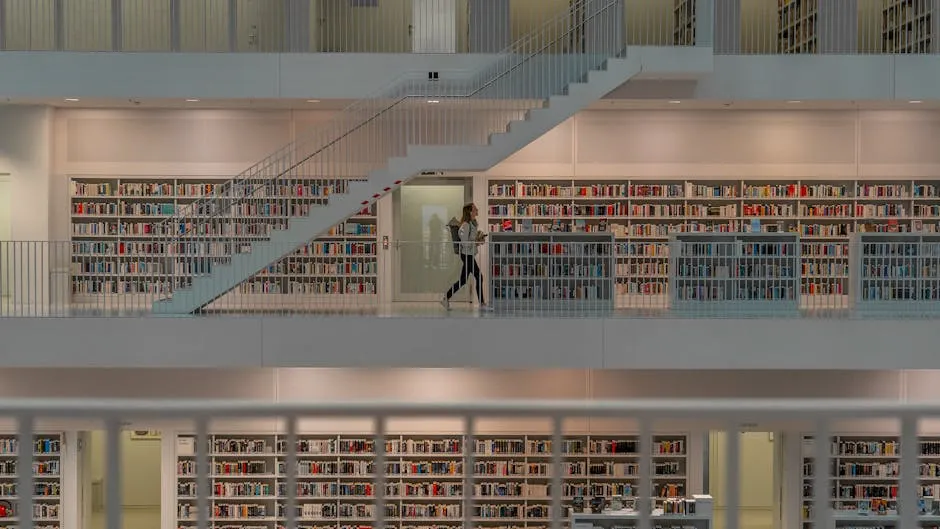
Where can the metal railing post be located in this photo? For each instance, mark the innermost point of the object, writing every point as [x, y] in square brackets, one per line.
[176, 25]
[117, 25]
[233, 25]
[3, 25]
[113, 496]
[58, 19]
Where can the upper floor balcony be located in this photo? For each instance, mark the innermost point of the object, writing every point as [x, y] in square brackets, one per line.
[459, 26]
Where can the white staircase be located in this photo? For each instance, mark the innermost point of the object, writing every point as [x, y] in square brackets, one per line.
[381, 143]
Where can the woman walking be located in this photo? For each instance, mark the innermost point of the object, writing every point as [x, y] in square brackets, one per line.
[469, 239]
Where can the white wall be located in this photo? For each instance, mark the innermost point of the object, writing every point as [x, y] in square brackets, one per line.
[25, 153]
[647, 144]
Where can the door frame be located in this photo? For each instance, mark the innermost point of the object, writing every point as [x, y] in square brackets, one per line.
[396, 268]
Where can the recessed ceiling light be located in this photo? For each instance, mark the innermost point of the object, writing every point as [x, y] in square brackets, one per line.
[71, 99]
[313, 100]
[915, 102]
[192, 100]
[674, 102]
[433, 101]
[794, 102]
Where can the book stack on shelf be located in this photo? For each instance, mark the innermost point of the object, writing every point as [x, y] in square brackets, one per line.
[865, 480]
[797, 31]
[119, 235]
[735, 271]
[424, 479]
[546, 271]
[908, 26]
[895, 271]
[684, 15]
[47, 481]
[642, 214]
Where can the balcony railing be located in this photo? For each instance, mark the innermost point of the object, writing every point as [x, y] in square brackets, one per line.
[306, 26]
[279, 437]
[762, 27]
[694, 275]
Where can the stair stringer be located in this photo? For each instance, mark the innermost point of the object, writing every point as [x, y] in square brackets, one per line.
[538, 121]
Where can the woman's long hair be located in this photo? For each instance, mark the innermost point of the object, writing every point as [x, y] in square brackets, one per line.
[467, 215]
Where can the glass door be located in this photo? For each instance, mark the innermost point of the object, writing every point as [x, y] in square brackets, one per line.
[425, 260]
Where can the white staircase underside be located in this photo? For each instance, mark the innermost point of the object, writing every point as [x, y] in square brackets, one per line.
[538, 121]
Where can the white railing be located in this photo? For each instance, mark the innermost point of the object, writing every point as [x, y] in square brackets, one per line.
[309, 26]
[635, 419]
[770, 27]
[884, 275]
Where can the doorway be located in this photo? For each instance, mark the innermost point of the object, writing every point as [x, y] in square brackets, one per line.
[760, 480]
[424, 257]
[140, 479]
[260, 25]
[6, 234]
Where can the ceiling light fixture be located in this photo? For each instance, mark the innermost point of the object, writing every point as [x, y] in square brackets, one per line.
[71, 99]
[674, 102]
[192, 100]
[313, 100]
[433, 101]
[794, 102]
[915, 102]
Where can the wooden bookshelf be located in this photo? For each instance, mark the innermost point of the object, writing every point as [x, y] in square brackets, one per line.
[797, 26]
[47, 480]
[684, 17]
[643, 214]
[908, 26]
[424, 478]
[117, 229]
[551, 271]
[865, 476]
[742, 271]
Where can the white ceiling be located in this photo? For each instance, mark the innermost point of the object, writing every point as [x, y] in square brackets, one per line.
[604, 104]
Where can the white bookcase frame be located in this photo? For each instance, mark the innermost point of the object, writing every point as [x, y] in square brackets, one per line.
[49, 509]
[896, 271]
[551, 271]
[497, 451]
[342, 263]
[739, 271]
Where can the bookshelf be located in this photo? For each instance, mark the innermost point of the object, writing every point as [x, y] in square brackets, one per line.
[424, 478]
[896, 270]
[797, 30]
[47, 481]
[684, 16]
[117, 235]
[908, 26]
[643, 213]
[735, 271]
[865, 479]
[547, 271]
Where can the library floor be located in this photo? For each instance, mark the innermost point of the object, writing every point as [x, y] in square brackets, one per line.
[134, 518]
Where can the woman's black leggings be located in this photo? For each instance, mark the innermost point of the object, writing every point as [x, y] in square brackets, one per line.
[468, 268]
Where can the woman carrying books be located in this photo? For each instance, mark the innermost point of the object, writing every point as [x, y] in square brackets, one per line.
[469, 238]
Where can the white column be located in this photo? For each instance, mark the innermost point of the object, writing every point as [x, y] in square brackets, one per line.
[26, 155]
[435, 26]
[726, 25]
[72, 474]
